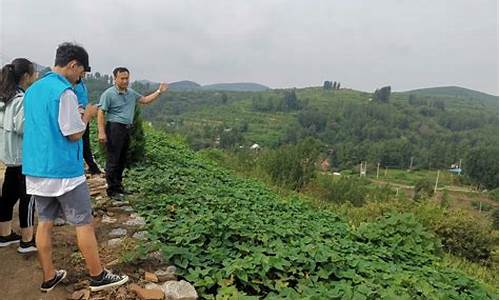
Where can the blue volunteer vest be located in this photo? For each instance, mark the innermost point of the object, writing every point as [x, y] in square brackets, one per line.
[46, 152]
[82, 94]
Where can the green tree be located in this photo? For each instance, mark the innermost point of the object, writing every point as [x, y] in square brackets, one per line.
[313, 120]
[293, 165]
[290, 101]
[382, 94]
[224, 98]
[481, 165]
[230, 137]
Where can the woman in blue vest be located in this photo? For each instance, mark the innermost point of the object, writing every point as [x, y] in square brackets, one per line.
[15, 78]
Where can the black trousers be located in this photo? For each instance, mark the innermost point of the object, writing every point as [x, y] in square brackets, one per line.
[118, 138]
[13, 189]
[87, 152]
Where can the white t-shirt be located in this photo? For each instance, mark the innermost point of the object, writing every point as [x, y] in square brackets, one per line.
[70, 122]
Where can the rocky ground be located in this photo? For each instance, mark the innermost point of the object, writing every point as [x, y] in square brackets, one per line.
[118, 230]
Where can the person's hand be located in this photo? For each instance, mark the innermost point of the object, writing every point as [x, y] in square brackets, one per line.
[163, 87]
[90, 111]
[102, 137]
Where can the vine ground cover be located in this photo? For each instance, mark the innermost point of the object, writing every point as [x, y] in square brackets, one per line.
[234, 238]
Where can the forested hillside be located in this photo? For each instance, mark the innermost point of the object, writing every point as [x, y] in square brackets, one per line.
[428, 128]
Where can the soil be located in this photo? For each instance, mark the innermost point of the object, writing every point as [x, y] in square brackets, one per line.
[21, 275]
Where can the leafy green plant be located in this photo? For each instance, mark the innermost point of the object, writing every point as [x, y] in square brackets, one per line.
[233, 238]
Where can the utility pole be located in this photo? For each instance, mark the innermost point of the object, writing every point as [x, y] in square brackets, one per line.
[411, 162]
[436, 186]
[378, 167]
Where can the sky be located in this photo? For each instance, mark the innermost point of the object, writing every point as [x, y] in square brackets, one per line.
[363, 44]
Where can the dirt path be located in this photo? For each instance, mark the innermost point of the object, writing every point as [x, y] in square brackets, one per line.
[21, 276]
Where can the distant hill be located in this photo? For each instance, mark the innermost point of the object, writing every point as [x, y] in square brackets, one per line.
[456, 92]
[438, 129]
[184, 85]
[187, 85]
[147, 82]
[236, 87]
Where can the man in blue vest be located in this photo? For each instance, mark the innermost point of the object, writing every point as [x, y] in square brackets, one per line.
[53, 164]
[114, 121]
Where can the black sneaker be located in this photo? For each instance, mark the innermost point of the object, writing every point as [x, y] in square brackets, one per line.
[27, 247]
[12, 238]
[51, 284]
[106, 280]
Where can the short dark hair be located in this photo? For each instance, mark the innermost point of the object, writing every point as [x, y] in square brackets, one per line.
[119, 70]
[67, 52]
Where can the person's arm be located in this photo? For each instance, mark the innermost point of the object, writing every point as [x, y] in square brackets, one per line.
[19, 117]
[71, 123]
[101, 127]
[104, 104]
[154, 95]
[88, 114]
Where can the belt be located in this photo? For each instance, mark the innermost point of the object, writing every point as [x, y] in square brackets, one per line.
[127, 126]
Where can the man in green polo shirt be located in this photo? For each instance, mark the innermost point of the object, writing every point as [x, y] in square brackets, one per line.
[114, 120]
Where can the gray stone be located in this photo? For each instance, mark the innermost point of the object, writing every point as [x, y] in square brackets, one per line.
[171, 269]
[135, 220]
[115, 242]
[176, 290]
[140, 235]
[118, 232]
[108, 220]
[165, 275]
[120, 203]
[127, 208]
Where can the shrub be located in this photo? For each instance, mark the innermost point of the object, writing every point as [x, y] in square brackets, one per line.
[462, 233]
[423, 189]
[465, 235]
[292, 166]
[136, 150]
[344, 189]
[494, 218]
